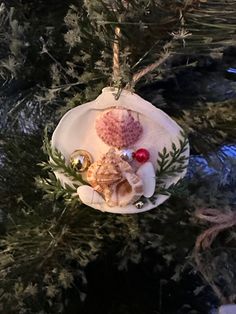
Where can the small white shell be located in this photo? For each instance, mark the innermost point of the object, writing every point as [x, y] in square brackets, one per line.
[89, 196]
[93, 199]
[76, 130]
[147, 173]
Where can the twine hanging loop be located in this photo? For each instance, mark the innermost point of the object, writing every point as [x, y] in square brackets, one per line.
[116, 55]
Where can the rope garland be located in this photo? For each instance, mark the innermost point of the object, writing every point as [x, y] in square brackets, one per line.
[221, 221]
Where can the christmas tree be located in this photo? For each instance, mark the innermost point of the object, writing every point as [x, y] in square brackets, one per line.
[60, 256]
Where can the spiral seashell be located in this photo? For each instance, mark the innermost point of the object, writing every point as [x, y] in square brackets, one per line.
[115, 180]
[118, 128]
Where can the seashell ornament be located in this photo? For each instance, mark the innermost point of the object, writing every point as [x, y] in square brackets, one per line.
[111, 130]
[118, 128]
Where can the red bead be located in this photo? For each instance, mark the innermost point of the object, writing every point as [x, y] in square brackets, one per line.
[142, 155]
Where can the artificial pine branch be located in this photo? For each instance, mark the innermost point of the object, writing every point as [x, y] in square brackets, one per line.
[57, 162]
[173, 162]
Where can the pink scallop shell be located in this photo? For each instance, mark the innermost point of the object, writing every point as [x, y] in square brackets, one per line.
[118, 128]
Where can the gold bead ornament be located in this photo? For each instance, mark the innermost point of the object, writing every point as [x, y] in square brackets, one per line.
[80, 160]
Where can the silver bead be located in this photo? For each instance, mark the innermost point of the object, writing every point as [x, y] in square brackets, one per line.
[126, 154]
[139, 205]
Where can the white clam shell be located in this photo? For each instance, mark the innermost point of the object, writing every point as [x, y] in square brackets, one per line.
[76, 130]
[147, 173]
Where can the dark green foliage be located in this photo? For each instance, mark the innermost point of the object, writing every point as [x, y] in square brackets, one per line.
[210, 125]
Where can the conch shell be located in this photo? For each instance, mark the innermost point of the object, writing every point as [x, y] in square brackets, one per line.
[115, 179]
[118, 128]
[146, 173]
